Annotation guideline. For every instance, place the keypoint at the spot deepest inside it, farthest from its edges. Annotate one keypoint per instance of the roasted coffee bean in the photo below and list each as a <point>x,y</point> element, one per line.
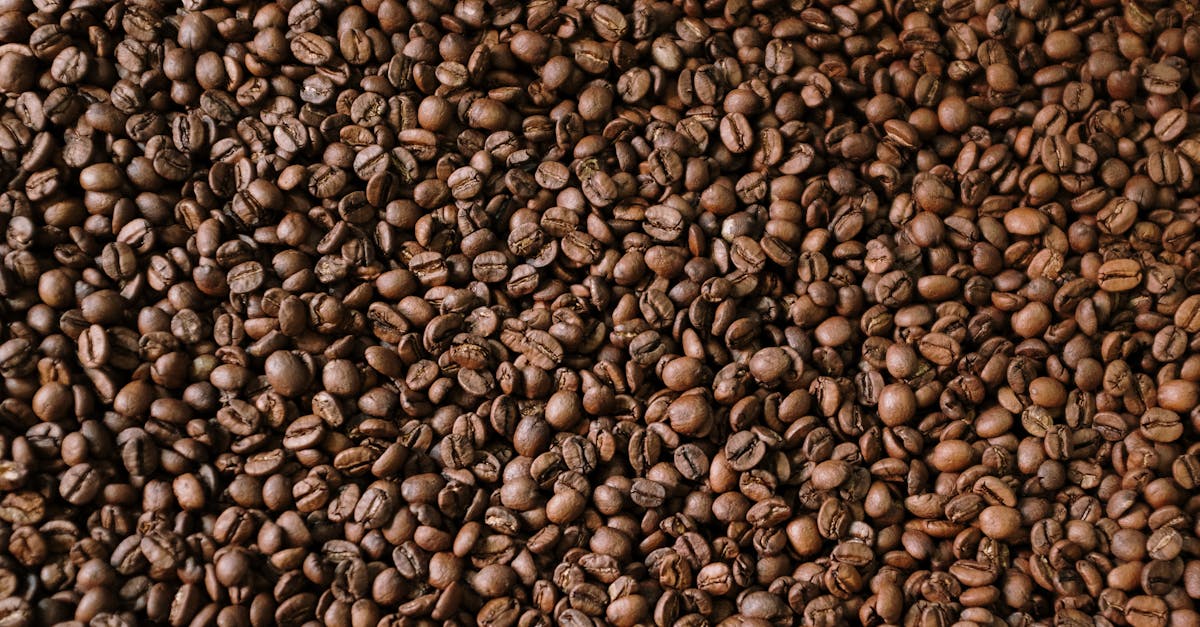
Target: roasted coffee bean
<point>1119,275</point>
<point>744,450</point>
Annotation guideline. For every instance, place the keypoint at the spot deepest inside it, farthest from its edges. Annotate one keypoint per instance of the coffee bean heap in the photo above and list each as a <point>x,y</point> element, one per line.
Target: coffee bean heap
<point>520,314</point>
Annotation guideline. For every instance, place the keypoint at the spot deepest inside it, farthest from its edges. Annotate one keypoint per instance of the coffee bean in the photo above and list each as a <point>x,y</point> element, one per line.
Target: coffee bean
<point>1119,275</point>
<point>736,133</point>
<point>939,348</point>
<point>80,484</point>
<point>1187,316</point>
<point>999,521</point>
<point>1161,425</point>
<point>744,450</point>
<point>664,223</point>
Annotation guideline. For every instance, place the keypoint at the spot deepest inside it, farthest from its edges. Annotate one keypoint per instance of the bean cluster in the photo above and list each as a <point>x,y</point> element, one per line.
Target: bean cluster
<point>578,312</point>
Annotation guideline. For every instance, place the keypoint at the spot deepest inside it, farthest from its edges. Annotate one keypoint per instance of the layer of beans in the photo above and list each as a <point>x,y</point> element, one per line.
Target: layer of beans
<point>564,312</point>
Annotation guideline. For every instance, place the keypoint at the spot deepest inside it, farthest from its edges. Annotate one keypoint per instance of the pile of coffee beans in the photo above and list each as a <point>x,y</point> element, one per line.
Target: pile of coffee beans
<point>572,312</point>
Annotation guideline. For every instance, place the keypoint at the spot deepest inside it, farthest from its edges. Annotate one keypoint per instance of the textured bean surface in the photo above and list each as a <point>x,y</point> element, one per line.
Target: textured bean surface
<point>677,313</point>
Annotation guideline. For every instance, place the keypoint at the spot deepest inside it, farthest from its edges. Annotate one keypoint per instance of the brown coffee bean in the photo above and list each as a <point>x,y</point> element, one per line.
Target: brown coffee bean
<point>1161,425</point>
<point>938,348</point>
<point>897,404</point>
<point>1119,275</point>
<point>1146,611</point>
<point>744,450</point>
<point>1187,316</point>
<point>1025,221</point>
